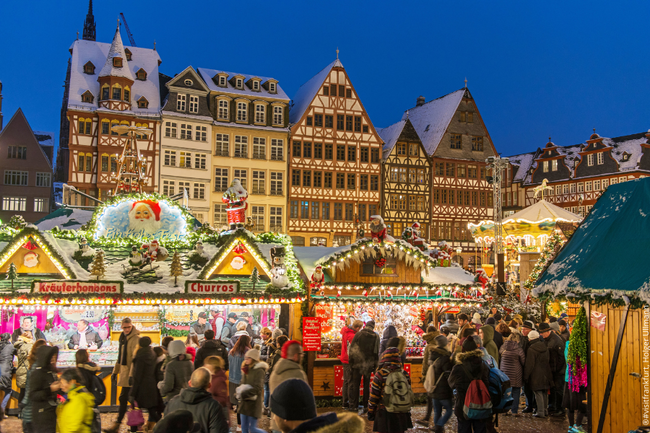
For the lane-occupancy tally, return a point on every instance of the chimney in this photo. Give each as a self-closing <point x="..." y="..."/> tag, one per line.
<point x="420" y="101"/>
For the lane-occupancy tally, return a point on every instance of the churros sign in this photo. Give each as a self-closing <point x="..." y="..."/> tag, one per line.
<point x="64" y="287"/>
<point x="207" y="287"/>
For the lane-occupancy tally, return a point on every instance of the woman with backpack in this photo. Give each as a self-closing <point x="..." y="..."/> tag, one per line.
<point x="391" y="396"/>
<point x="470" y="379"/>
<point x="252" y="399"/>
<point x="44" y="389"/>
<point x="513" y="361"/>
<point x="432" y="352"/>
<point x="88" y="374"/>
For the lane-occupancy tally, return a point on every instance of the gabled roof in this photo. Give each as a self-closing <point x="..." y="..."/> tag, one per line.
<point x="18" y="120"/>
<point x="431" y="119"/>
<point x="193" y="72"/>
<point x="116" y="50"/>
<point x="521" y="164"/>
<point x="207" y="75"/>
<point x="586" y="265"/>
<point x="307" y="92"/>
<point x="390" y="135"/>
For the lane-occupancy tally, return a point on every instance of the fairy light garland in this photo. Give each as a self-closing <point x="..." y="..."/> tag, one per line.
<point x="362" y="244"/>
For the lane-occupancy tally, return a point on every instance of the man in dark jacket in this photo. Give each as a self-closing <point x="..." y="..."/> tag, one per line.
<point x="27" y="324"/>
<point x="199" y="327"/>
<point x="498" y="338"/>
<point x="211" y="347"/>
<point x="207" y="412"/>
<point x="555" y="345"/>
<point x="564" y="329"/>
<point x="347" y="334"/>
<point x="450" y="324"/>
<point x="364" y="359"/>
<point x="469" y="366"/>
<point x="228" y="329"/>
<point x="527" y="327"/>
<point x="537" y="372"/>
<point x="85" y="337"/>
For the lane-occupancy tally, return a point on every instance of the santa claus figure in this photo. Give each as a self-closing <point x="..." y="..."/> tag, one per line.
<point x="317" y="279"/>
<point x="154" y="252"/>
<point x="30" y="259"/>
<point x="481" y="277"/>
<point x="417" y="241"/>
<point x="378" y="230"/>
<point x="235" y="199"/>
<point x="144" y="217"/>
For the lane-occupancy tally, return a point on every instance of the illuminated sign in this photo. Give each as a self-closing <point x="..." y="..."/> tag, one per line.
<point x="63" y="287"/>
<point x="207" y="287"/>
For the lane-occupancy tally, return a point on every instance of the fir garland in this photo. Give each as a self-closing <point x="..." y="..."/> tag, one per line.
<point x="578" y="353"/>
<point x="545" y="259"/>
<point x="364" y="243"/>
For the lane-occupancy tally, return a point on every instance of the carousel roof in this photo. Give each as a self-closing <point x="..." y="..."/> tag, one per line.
<point x="587" y="264"/>
<point x="543" y="211"/>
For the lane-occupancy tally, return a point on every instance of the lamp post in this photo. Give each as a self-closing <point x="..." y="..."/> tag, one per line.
<point x="458" y="251"/>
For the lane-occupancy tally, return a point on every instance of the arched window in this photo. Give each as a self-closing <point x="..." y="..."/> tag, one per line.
<point x="114" y="123"/>
<point x="117" y="92"/>
<point x="127" y="94"/>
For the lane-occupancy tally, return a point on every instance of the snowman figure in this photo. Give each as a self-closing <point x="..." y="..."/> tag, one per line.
<point x="279" y="272"/>
<point x="136" y="257"/>
<point x="199" y="248"/>
<point x="83" y="245"/>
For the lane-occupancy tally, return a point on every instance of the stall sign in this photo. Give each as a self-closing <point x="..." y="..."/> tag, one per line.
<point x="311" y="334"/>
<point x="208" y="287"/>
<point x="64" y="287"/>
<point x="453" y="310"/>
<point x="324" y="314"/>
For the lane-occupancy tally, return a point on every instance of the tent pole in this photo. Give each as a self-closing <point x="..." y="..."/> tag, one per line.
<point x="612" y="371"/>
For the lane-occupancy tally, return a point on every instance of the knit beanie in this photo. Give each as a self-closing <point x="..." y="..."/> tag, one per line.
<point x="469" y="345"/>
<point x="476" y="318"/>
<point x="253" y="354"/>
<point x="276" y="333"/>
<point x="441" y="341"/>
<point x="176" y="348"/>
<point x="533" y="335"/>
<point x="293" y="400"/>
<point x="145" y="342"/>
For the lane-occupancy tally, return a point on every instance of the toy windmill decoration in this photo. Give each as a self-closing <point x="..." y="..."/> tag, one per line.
<point x="540" y="189"/>
<point x="131" y="166"/>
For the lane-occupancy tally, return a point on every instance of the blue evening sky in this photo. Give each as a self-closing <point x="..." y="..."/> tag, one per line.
<point x="536" y="69"/>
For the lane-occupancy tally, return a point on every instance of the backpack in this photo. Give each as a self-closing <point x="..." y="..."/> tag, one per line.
<point x="98" y="389"/>
<point x="477" y="404"/>
<point x="398" y="395"/>
<point x="500" y="391"/>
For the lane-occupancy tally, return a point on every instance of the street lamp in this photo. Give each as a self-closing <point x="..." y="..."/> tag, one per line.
<point x="458" y="251"/>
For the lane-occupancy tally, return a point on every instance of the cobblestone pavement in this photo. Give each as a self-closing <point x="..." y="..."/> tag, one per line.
<point x="508" y="424"/>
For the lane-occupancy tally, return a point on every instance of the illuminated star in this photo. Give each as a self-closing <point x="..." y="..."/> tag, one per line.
<point x="325" y="386"/>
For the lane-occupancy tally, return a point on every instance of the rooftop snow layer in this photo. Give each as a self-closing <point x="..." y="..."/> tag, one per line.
<point x="523" y="163"/>
<point x="116" y="50"/>
<point x="306" y="93"/>
<point x="97" y="52"/>
<point x="390" y="135"/>
<point x="207" y="75"/>
<point x="65" y="219"/>
<point x="44" y="138"/>
<point x="450" y="275"/>
<point x="432" y="119"/>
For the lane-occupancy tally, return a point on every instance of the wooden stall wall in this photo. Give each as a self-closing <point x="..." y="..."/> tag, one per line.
<point x="624" y="408"/>
<point x="405" y="274"/>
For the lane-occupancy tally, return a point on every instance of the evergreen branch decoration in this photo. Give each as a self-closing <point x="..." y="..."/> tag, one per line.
<point x="578" y="353"/>
<point x="546" y="257"/>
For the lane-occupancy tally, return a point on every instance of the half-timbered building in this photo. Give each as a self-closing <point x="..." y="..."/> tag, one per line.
<point x="250" y="131"/>
<point x="577" y="175"/>
<point x="109" y="85"/>
<point x="335" y="161"/>
<point x="458" y="143"/>
<point x="406" y="172"/>
<point x="186" y="142"/>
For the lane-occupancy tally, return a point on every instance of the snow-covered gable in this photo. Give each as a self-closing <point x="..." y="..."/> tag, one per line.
<point x="207" y="75"/>
<point x="97" y="53"/>
<point x="390" y="135"/>
<point x="431" y="119"/>
<point x="630" y="145"/>
<point x="521" y="165"/>
<point x="307" y="92"/>
<point x="45" y="138"/>
<point x="116" y="50"/>
<point x="65" y="219"/>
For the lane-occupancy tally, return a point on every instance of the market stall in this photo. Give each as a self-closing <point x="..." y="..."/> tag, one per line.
<point x="390" y="282"/>
<point x="615" y="292"/>
<point x="141" y="256"/>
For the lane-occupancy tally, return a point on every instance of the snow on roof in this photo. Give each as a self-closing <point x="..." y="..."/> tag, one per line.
<point x="308" y="256"/>
<point x="306" y="93"/>
<point x="522" y="164"/>
<point x="630" y="144"/>
<point x="207" y="75"/>
<point x="44" y="138"/>
<point x="451" y="275"/>
<point x="97" y="52"/>
<point x="65" y="219"/>
<point x="431" y="119"/>
<point x="116" y="50"/>
<point x="390" y="135"/>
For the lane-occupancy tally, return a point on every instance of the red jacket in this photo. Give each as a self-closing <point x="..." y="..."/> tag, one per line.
<point x="219" y="388"/>
<point x="348" y="335"/>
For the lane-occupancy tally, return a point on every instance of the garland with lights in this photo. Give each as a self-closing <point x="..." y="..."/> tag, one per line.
<point x="578" y="353"/>
<point x="547" y="255"/>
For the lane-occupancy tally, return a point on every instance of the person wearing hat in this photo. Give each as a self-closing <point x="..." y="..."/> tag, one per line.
<point x="205" y="410"/>
<point x="497" y="337"/>
<point x="251" y="391"/>
<point x="177" y="371"/>
<point x="288" y="367"/>
<point x="555" y="345"/>
<point x="526" y="328"/>
<point x="469" y="367"/>
<point x="442" y="393"/>
<point x="363" y="354"/>
<point x="537" y="372"/>
<point x="294" y="410"/>
<point x="476" y="321"/>
<point x="431" y="353"/>
<point x="199" y="327"/>
<point x="228" y="331"/>
<point x="210" y="347"/>
<point x="564" y="329"/>
<point x="144" y="390"/>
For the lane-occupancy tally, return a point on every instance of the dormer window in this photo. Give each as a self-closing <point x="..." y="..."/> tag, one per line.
<point x="240" y="83"/>
<point x="141" y="75"/>
<point x="222" y="81"/>
<point x="189" y="82"/>
<point x="256" y="86"/>
<point x="89" y="68"/>
<point x="87" y="97"/>
<point x="271" y="87"/>
<point x="117" y="62"/>
<point x="128" y="54"/>
<point x="625" y="157"/>
<point x="143" y="103"/>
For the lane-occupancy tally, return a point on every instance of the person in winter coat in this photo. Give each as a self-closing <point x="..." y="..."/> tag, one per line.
<point x="235" y="360"/>
<point x="384" y="421"/>
<point x="513" y="360"/>
<point x="179" y="421"/>
<point x="6" y="366"/>
<point x="288" y="367"/>
<point x="573" y="400"/>
<point x="451" y="324"/>
<point x="476" y="321"/>
<point x="201" y="325"/>
<point x="564" y="330"/>
<point x="144" y="392"/>
<point x="431" y="352"/>
<point x="177" y="372"/>
<point x="497" y="338"/>
<point x="86" y="369"/>
<point x="76" y="414"/>
<point x="389" y="332"/>
<point x="228" y="329"/>
<point x="442" y="394"/>
<point x="218" y="383"/>
<point x="487" y="334"/>
<point x="161" y="357"/>
<point x="206" y="411"/>
<point x="128" y="343"/>
<point x="469" y="366"/>
<point x="526" y="328"/>
<point x="555" y="345"/>
<point x="252" y="400"/>
<point x="44" y="388"/>
<point x="25" y="404"/>
<point x="347" y="334"/>
<point x="191" y="345"/>
<point x="85" y="337"/>
<point x="363" y="354"/>
<point x="23" y="347"/>
<point x="211" y="347"/>
<point x="27" y="324"/>
<point x="241" y="330"/>
<point x="537" y="372"/>
<point x="268" y="346"/>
